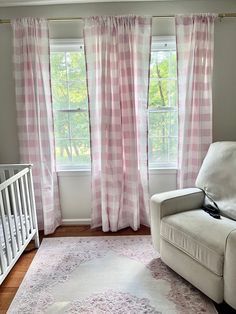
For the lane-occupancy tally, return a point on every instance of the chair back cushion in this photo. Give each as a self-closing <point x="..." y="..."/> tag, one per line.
<point x="217" y="176"/>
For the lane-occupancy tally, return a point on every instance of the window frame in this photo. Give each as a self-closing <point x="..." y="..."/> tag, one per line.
<point x="163" y="43"/>
<point x="73" y="45"/>
<point x="69" y="45"/>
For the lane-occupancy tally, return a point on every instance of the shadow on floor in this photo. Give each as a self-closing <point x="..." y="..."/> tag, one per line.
<point x="224" y="308"/>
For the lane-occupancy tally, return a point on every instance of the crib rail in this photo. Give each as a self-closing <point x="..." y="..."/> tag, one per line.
<point x="17" y="213"/>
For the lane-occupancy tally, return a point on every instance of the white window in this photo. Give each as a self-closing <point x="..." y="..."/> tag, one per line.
<point x="70" y="104"/>
<point x="163" y="114"/>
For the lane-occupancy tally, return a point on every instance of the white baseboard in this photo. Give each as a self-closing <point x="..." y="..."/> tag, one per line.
<point x="68" y="222"/>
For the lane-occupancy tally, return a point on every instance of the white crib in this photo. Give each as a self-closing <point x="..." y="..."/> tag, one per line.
<point x="18" y="221"/>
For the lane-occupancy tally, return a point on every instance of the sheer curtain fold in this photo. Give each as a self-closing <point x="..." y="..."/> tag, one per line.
<point x="195" y="48"/>
<point x="34" y="115"/>
<point x="117" y="56"/>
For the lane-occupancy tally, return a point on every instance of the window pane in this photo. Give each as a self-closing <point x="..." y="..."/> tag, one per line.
<point x="61" y="125"/>
<point x="60" y="95"/>
<point x="159" y="93"/>
<point x="158" y="124"/>
<point x="58" y="66"/>
<point x="160" y="64"/>
<point x="158" y="150"/>
<point x="163" y="116"/>
<point x="79" y="125"/>
<point x="81" y="151"/>
<point x="163" y="64"/>
<point x="173" y="147"/>
<point x="78" y="95"/>
<point x="172" y="93"/>
<point x="162" y="93"/>
<point x="173" y="123"/>
<point x="63" y="152"/>
<point x="172" y="64"/>
<point x="70" y="92"/>
<point x="76" y="66"/>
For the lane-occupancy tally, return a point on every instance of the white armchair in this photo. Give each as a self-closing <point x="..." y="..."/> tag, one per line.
<point x="200" y="248"/>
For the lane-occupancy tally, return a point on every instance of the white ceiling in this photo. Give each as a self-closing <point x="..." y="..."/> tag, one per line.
<point x="10" y="3"/>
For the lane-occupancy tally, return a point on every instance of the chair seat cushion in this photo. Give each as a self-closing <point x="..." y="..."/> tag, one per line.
<point x="200" y="236"/>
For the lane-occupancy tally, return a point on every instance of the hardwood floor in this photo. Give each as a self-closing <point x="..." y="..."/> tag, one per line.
<point x="10" y="286"/>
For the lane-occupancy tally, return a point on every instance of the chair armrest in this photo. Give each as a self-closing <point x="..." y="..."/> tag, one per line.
<point x="169" y="203"/>
<point x="230" y="270"/>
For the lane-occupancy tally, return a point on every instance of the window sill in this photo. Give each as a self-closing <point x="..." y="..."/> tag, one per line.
<point x="87" y="172"/>
<point x="167" y="170"/>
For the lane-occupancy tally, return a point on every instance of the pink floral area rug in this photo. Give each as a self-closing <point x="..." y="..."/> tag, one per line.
<point x="105" y="275"/>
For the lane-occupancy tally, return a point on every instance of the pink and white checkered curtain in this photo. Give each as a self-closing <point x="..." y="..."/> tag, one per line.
<point x="34" y="115"/>
<point x="117" y="56"/>
<point x="195" y="47"/>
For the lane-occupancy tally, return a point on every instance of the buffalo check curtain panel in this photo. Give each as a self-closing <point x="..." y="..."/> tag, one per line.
<point x="195" y="51"/>
<point x="34" y="115"/>
<point x="117" y="56"/>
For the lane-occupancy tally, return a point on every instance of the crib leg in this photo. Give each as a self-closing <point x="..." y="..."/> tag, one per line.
<point x="36" y="240"/>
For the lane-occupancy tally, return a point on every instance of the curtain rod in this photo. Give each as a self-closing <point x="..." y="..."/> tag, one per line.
<point x="52" y="19"/>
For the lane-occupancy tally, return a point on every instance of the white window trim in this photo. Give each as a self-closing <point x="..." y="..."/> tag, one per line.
<point x="163" y="43"/>
<point x="167" y="43"/>
<point x="69" y="45"/>
<point x="85" y="173"/>
<point x="73" y="44"/>
<point x="62" y="45"/>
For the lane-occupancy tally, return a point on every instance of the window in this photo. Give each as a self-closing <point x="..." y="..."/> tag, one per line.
<point x="163" y="114"/>
<point x="70" y="104"/>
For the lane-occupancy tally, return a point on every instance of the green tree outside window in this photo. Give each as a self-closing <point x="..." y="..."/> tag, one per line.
<point x="70" y="104"/>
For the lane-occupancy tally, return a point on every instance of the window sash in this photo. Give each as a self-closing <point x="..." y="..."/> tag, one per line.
<point x="71" y="45"/>
<point x="160" y="44"/>
<point x="70" y="144"/>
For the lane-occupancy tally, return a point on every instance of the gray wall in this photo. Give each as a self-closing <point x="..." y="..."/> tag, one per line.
<point x="75" y="186"/>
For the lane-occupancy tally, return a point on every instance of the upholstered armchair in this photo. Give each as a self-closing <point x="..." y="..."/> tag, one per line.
<point x="197" y="246"/>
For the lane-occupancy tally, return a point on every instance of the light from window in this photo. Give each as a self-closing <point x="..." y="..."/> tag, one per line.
<point x="70" y="104"/>
<point x="163" y="115"/>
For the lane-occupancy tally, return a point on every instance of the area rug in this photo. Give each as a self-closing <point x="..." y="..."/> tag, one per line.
<point x="105" y="275"/>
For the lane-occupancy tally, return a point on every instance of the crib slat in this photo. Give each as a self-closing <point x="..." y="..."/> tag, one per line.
<point x="19" y="202"/>
<point x="33" y="208"/>
<point x="16" y="219"/>
<point x="10" y="221"/>
<point x="28" y="203"/>
<point x="2" y="175"/>
<point x="15" y="211"/>
<point x="24" y="206"/>
<point x="3" y="179"/>
<point x="5" y="233"/>
<point x="2" y="255"/>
